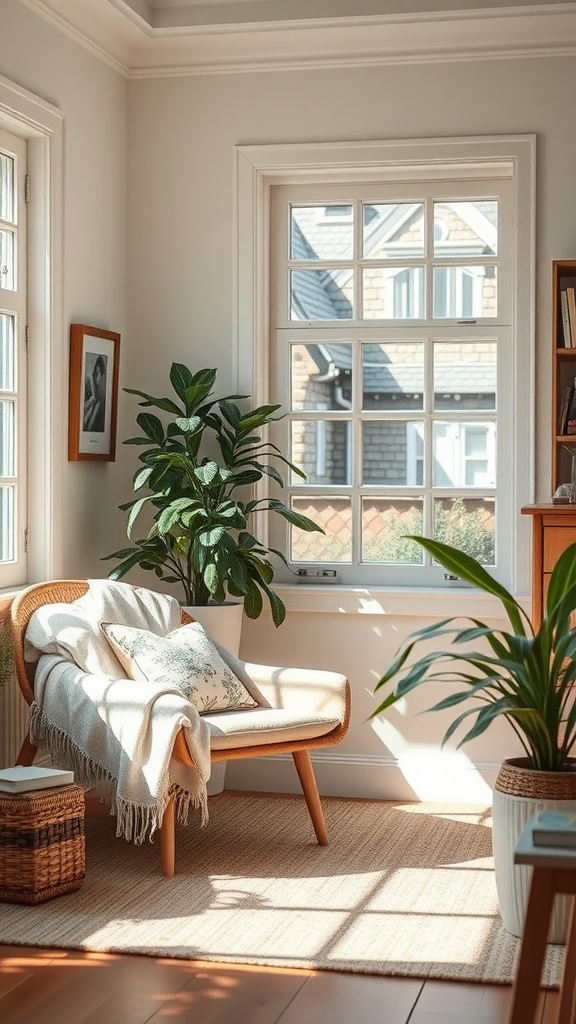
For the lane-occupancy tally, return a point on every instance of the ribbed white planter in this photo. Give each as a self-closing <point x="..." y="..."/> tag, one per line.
<point x="510" y="812"/>
<point x="223" y="623"/>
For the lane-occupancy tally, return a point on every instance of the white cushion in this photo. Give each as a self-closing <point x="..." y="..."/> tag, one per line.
<point x="266" y="725"/>
<point x="185" y="658"/>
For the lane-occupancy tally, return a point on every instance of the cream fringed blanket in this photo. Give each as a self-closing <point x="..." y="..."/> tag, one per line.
<point x="109" y="729"/>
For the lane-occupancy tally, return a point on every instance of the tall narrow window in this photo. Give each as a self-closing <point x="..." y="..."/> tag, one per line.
<point x="391" y="322"/>
<point x="12" y="360"/>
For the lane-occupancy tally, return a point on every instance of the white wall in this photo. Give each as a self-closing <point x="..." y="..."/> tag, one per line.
<point x="181" y="135"/>
<point x="182" y="138"/>
<point x="93" y="100"/>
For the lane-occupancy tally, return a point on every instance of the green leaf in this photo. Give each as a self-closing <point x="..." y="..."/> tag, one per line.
<point x="141" y="477"/>
<point x="134" y="513"/>
<point x="159" y="403"/>
<point x="209" y="473"/>
<point x="151" y="426"/>
<point x="188" y="425"/>
<point x="181" y="379"/>
<point x="252" y="601"/>
<point x="295" y="518"/>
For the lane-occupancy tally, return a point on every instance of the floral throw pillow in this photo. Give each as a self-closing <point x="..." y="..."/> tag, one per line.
<point x="186" y="658"/>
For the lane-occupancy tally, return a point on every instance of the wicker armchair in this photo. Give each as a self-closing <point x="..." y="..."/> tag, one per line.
<point x="294" y="693"/>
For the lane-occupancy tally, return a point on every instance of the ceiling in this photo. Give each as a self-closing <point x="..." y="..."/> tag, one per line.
<point x="156" y="38"/>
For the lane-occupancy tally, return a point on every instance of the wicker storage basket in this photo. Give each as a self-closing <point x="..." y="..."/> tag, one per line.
<point x="41" y="844"/>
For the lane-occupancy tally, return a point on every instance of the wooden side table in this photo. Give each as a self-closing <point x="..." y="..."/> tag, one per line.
<point x="554" y="871"/>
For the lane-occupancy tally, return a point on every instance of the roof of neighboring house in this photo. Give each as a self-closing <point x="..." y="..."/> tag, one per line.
<point x="317" y="294"/>
<point x="406" y="378"/>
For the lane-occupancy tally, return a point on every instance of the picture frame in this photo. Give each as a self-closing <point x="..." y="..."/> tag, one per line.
<point x="93" y="394"/>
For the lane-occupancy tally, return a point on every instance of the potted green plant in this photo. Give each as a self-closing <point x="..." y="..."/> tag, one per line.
<point x="526" y="676"/>
<point x="198" y="473"/>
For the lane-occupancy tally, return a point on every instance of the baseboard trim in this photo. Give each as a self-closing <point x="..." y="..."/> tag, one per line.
<point x="442" y="778"/>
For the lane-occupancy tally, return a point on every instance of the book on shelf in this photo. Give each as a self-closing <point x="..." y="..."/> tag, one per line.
<point x="27" y="779"/>
<point x="569" y="411"/>
<point x="571" y="299"/>
<point x="564" y="406"/>
<point x="566" y="334"/>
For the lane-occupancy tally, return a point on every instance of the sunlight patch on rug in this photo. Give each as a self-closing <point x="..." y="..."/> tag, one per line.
<point x="403" y="889"/>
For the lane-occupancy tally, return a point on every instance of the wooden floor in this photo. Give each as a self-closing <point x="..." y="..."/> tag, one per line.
<point x="50" y="986"/>
<point x="64" y="987"/>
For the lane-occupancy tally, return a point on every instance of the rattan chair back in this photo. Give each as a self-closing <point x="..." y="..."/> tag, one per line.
<point x="21" y="611"/>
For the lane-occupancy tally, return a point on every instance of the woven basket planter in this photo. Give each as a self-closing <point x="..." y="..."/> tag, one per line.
<point x="520" y="792"/>
<point x="41" y="844"/>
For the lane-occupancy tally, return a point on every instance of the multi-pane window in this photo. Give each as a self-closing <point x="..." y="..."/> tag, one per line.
<point x="12" y="370"/>
<point x="391" y="324"/>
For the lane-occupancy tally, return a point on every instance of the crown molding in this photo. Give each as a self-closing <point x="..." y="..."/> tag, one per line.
<point x="116" y="33"/>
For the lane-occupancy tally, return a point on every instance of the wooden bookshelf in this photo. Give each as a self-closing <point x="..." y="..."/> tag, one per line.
<point x="563" y="373"/>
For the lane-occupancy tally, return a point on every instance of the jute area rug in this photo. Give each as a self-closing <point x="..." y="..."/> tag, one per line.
<point x="403" y="889"/>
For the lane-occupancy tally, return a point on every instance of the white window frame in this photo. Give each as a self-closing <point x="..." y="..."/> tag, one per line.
<point x="13" y="305"/>
<point x="41" y="124"/>
<point x="259" y="167"/>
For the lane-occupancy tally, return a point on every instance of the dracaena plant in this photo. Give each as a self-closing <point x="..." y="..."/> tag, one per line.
<point x="202" y="503"/>
<point x="526" y="675"/>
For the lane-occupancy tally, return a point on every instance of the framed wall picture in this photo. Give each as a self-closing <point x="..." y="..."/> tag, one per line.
<point x="93" y="401"/>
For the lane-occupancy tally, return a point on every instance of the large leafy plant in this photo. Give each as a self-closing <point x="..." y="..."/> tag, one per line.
<point x="202" y="504"/>
<point x="523" y="674"/>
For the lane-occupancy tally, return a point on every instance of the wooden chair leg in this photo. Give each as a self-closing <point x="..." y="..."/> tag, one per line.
<point x="310" y="790"/>
<point x="168" y="840"/>
<point x="27" y="753"/>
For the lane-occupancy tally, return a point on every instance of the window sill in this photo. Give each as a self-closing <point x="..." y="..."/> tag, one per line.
<point x="397" y="601"/>
<point x="413" y="601"/>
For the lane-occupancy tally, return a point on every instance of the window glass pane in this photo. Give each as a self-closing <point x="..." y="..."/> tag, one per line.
<point x="321" y="232"/>
<point x="467" y="523"/>
<point x="393" y="230"/>
<point x="465" y="293"/>
<point x="321" y="294"/>
<point x="6" y="524"/>
<point x="393" y="376"/>
<point x="321" y="377"/>
<point x="393" y="293"/>
<point x="7" y="260"/>
<point x="465" y="375"/>
<point x="6" y="352"/>
<point x="7" y="205"/>
<point x="7" y="462"/>
<point x="322" y="449"/>
<point x="466" y="228"/>
<point x="334" y="515"/>
<point x="390" y="454"/>
<point x="385" y="523"/>
<point x="464" y="454"/>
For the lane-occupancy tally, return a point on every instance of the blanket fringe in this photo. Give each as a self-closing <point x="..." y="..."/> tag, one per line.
<point x="135" y="822"/>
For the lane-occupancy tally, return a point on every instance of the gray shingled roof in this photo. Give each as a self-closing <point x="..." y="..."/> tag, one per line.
<point x="406" y="378"/>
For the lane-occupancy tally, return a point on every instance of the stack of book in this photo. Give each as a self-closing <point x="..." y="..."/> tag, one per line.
<point x="554" y="828"/>
<point x="25" y="780"/>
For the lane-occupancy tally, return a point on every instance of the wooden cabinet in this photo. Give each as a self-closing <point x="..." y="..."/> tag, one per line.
<point x="553" y="530"/>
<point x="563" y="373"/>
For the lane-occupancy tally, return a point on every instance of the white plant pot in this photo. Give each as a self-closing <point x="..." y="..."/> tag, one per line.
<point x="510" y="813"/>
<point x="222" y="623"/>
